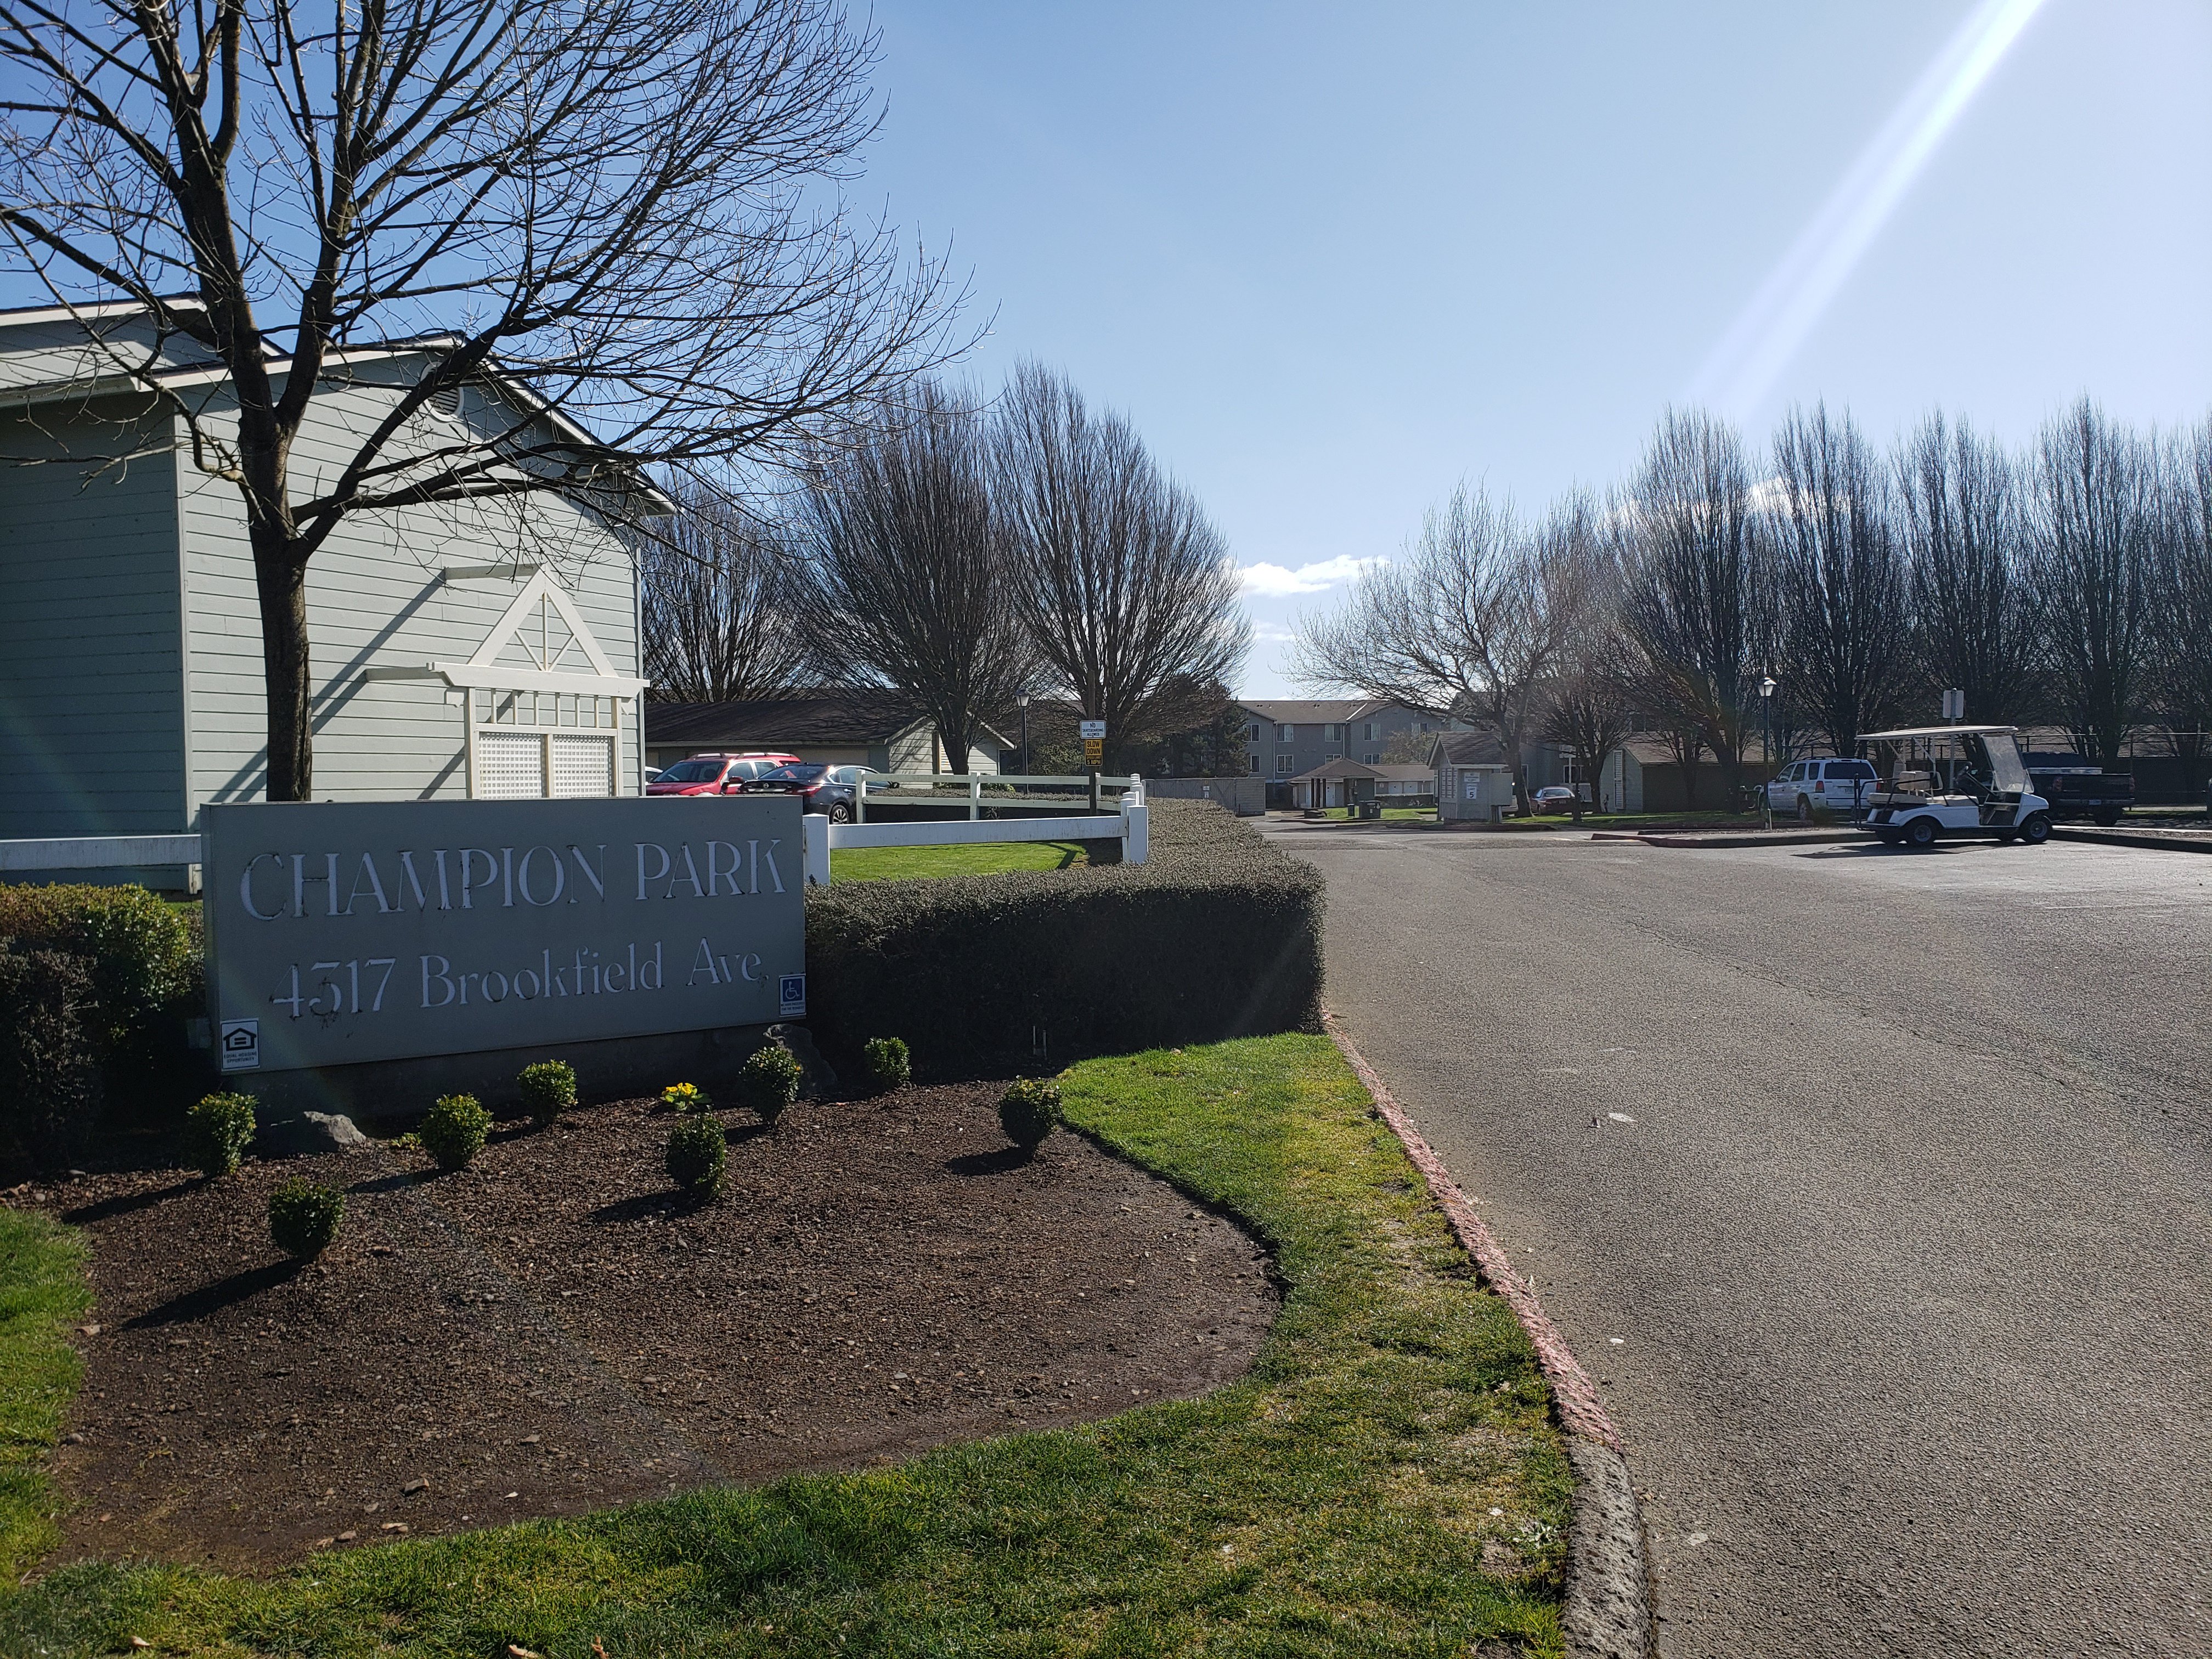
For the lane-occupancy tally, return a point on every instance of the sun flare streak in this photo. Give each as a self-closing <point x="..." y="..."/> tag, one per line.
<point x="1759" y="346"/>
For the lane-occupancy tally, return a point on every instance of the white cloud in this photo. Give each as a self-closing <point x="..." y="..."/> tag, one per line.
<point x="1269" y="634"/>
<point x="1278" y="581"/>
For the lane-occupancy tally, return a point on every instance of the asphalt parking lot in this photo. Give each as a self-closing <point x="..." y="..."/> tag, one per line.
<point x="1876" y="1188"/>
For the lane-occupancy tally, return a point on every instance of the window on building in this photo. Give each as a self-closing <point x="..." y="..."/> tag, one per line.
<point x="1254" y="735"/>
<point x="1332" y="734"/>
<point x="1420" y="726"/>
<point x="1374" y="731"/>
<point x="1570" y="769"/>
<point x="1285" y="733"/>
<point x="1255" y="763"/>
<point x="1283" y="764"/>
<point x="1372" y="760"/>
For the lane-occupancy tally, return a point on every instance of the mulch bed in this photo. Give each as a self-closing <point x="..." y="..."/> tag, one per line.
<point x="552" y="1330"/>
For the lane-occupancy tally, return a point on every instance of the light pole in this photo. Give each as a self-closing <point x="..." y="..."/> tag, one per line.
<point x="1023" y="698"/>
<point x="1766" y="747"/>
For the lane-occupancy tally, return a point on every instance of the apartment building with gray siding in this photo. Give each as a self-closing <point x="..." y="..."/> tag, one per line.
<point x="1286" y="738"/>
<point x="461" y="650"/>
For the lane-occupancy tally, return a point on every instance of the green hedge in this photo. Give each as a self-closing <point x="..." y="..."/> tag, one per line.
<point x="50" y="1081"/>
<point x="1217" y="934"/>
<point x="120" y="1017"/>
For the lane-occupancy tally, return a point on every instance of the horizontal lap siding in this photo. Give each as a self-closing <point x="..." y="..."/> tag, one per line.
<point x="90" y="720"/>
<point x="374" y="599"/>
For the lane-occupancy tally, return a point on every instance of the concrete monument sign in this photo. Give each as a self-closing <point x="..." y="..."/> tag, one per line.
<point x="341" y="932"/>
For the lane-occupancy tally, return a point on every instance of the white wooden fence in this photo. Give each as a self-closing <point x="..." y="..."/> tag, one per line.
<point x="1130" y="824"/>
<point x="950" y="788"/>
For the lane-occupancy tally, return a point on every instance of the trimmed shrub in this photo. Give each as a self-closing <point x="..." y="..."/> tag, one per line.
<point x="303" y="1217"/>
<point x="885" y="1063"/>
<point x="454" y="1130"/>
<point x="1217" y="934"/>
<point x="767" y="1082"/>
<point x="145" y="955"/>
<point x="1028" y="1111"/>
<point x="49" y="1076"/>
<point x="686" y="1097"/>
<point x="217" y="1132"/>
<point x="549" y="1088"/>
<point x="698" y="1153"/>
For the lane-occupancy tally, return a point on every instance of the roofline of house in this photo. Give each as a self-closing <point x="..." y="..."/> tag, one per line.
<point x="188" y="374"/>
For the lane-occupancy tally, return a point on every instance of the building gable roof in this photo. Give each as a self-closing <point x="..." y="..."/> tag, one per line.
<point x="1468" y="748"/>
<point x="1323" y="711"/>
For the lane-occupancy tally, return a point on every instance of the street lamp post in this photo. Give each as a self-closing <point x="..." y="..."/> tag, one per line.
<point x="1023" y="698"/>
<point x="1766" y="747"/>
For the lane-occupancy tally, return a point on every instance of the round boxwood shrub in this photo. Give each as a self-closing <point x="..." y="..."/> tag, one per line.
<point x="696" y="1154"/>
<point x="768" y="1081"/>
<point x="686" y="1097"/>
<point x="217" y="1132"/>
<point x="885" y="1063"/>
<point x="454" y="1130"/>
<point x="1028" y="1111"/>
<point x="303" y="1217"/>
<point x="549" y="1088"/>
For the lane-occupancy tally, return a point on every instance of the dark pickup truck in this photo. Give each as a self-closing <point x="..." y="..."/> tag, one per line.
<point x="2075" y="789"/>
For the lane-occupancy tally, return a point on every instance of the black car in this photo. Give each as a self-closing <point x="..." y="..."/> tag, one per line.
<point x="826" y="789"/>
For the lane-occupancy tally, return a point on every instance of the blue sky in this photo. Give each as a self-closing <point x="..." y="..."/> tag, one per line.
<point x="1332" y="259"/>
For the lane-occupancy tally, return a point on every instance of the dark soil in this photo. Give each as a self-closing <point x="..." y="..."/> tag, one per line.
<point x="552" y="1330"/>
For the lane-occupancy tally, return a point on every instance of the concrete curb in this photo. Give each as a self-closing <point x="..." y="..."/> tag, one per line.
<point x="1608" y="1613"/>
<point x="1755" y="838"/>
<point x="2162" y="840"/>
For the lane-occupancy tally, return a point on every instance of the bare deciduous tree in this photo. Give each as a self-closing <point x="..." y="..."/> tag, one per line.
<point x="1960" y="513"/>
<point x="1839" y="575"/>
<point x="1695" y="600"/>
<point x="719" y="595"/>
<point x="616" y="201"/>
<point x="1470" y="623"/>
<point x="2181" y="595"/>
<point x="1590" y="703"/>
<point x="909" y="573"/>
<point x="2093" y="523"/>
<point x="1127" y="592"/>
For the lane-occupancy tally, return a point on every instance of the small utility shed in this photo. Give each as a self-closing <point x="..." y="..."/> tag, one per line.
<point x="463" y="650"/>
<point x="836" y="726"/>
<point x="1473" y="780"/>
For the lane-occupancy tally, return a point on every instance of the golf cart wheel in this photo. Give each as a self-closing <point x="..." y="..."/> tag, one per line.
<point x="2036" y="830"/>
<point x="1804" y="809"/>
<point x="1921" y="832"/>
<point x="839" y="813"/>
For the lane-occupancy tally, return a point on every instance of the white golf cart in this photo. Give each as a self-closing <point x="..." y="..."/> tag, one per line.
<point x="1954" y="781"/>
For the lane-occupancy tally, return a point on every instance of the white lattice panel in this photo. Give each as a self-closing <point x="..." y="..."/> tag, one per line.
<point x="583" y="764"/>
<point x="510" y="764"/>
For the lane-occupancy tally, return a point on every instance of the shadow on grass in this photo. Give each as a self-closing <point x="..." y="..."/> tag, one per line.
<point x="214" y="1298"/>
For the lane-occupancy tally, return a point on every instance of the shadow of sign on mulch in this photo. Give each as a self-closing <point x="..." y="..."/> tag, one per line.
<point x="553" y="1330"/>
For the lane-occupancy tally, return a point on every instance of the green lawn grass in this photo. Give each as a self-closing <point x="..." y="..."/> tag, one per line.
<point x="975" y="859"/>
<point x="42" y="1288"/>
<point x="1337" y="1501"/>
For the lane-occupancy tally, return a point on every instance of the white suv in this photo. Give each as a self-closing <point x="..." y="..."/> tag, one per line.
<point x="1807" y="786"/>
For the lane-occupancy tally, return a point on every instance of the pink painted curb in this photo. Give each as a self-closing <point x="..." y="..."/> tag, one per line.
<point x="1580" y="1409"/>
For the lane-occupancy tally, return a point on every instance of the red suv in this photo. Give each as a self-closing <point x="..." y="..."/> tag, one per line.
<point x="717" y="775"/>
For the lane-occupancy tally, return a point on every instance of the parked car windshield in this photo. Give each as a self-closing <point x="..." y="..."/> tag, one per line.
<point x="691" y="771"/>
<point x="792" y="775"/>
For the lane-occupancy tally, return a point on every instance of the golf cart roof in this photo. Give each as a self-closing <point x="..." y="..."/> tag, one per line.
<point x="1903" y="732"/>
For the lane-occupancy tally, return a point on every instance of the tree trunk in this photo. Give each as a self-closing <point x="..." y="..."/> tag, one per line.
<point x="281" y="580"/>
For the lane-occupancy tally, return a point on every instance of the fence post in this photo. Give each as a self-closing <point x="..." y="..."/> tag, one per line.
<point x="860" y="796"/>
<point x="975" y="796"/>
<point x="1136" y="830"/>
<point x="817" y="828"/>
<point x="1094" y="792"/>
